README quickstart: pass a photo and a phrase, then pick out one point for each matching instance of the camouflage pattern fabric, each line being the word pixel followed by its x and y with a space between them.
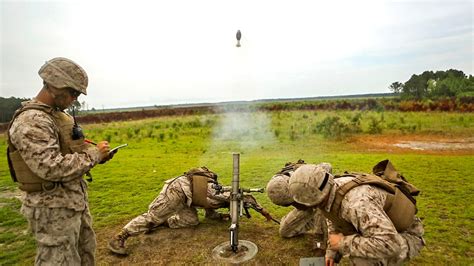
pixel 173 207
pixel 298 222
pixel 59 219
pixel 376 241
pixel 310 221
pixel 62 73
pixel 63 236
pixel 35 136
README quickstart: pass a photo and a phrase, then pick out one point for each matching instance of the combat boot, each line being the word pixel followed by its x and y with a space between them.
pixel 117 244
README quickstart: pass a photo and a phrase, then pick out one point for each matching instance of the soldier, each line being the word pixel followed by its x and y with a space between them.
pixel 175 206
pixel 48 158
pixel 371 223
pixel 301 220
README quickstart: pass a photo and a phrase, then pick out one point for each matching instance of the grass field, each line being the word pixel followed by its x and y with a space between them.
pixel 165 147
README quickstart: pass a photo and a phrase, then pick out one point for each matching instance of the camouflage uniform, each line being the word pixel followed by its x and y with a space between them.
pixel 376 241
pixel 60 219
pixel 173 206
pixel 298 222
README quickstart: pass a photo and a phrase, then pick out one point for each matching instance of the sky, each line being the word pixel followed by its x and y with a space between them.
pixel 142 53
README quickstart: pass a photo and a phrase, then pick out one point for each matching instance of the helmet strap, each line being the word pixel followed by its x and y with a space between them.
pixel 51 91
pixel 325 181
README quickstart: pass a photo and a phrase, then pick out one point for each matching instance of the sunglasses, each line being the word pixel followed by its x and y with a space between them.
pixel 74 93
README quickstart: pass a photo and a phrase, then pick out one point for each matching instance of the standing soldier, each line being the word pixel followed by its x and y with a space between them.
pixel 48 158
pixel 300 220
pixel 371 220
pixel 175 206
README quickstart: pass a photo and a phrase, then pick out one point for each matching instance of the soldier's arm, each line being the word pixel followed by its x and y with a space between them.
pixel 217 200
pixel 377 237
pixel 33 134
pixel 297 222
pixel 331 254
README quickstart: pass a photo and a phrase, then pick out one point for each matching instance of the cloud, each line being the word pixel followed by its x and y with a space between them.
pixel 154 52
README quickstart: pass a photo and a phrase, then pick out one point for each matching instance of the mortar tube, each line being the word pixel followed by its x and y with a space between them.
pixel 234 204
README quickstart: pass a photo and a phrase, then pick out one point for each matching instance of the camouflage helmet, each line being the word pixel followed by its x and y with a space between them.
pixel 202 171
pixel 61 73
pixel 326 166
pixel 277 190
pixel 310 184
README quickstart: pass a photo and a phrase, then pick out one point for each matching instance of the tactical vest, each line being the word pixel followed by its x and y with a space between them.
pixel 200 177
pixel 400 205
pixel 28 181
pixel 290 167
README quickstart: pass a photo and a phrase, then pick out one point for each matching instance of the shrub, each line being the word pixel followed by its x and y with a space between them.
pixel 333 127
pixel 375 126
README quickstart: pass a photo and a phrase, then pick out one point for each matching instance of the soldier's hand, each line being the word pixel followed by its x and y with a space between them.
pixel 335 240
pixel 104 149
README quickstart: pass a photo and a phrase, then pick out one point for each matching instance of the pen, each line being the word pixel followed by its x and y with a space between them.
pixel 90 142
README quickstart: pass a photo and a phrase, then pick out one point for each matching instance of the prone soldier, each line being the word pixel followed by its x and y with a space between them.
pixel 175 206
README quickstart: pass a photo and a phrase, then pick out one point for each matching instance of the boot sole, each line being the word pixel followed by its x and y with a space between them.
pixel 116 251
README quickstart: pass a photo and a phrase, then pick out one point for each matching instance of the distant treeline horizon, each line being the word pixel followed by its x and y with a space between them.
pixel 423 92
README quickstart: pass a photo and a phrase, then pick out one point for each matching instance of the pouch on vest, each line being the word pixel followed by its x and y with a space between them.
pixel 200 191
pixel 387 171
pixel 400 209
pixel 200 177
pixel 27 180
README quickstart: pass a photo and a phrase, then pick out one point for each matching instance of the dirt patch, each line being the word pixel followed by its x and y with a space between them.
pixel 194 245
pixel 426 144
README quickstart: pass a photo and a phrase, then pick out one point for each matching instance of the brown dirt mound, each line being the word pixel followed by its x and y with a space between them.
pixel 423 144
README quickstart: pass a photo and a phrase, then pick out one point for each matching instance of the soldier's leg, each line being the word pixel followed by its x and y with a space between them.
pixel 186 217
pixel 169 202
pixel 57 234
pixel 87 239
pixel 139 224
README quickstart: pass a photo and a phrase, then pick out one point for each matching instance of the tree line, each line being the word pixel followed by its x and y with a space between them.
pixel 451 83
pixel 434 85
pixel 8 106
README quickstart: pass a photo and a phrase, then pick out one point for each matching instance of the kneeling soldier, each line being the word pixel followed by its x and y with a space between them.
pixel 175 206
pixel 301 220
pixel 371 217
